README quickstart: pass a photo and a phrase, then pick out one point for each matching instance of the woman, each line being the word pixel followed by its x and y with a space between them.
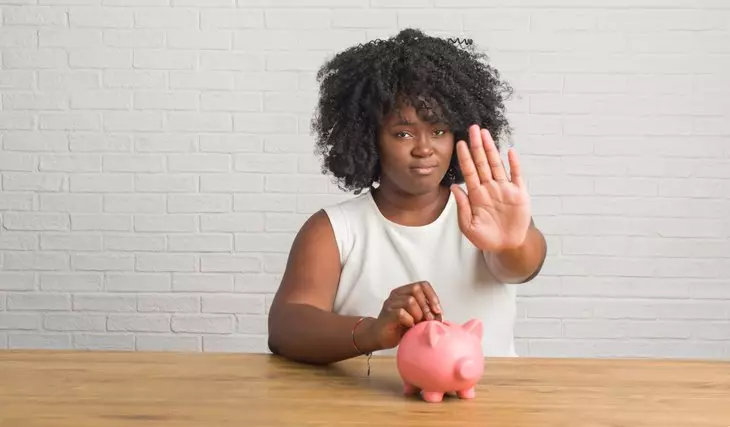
pixel 394 118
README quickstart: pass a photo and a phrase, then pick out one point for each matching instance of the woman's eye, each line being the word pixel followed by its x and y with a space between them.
pixel 402 134
pixel 440 132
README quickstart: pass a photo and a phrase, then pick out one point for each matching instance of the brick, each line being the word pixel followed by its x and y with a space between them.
pixel 137 38
pixel 138 323
pixel 231 143
pixel 133 163
pixel 253 324
pixel 34 16
pixel 36 222
pixel 101 58
pixel 282 183
pixel 205 323
pixel 257 283
pixel 71 203
pixel 158 59
pixel 201 243
pixel 104 303
pixel 70 242
pixel 230 263
pixel 70 163
pixel 235 344
pixel 137 282
pixel 104 342
pixel 199 40
pixel 312 203
pixel 199 203
pixel 168 343
pixel 39 341
pixel 232 222
pixel 39 182
pixel 231 19
pixel 271 163
pixel 268 242
pixel 21 241
pixel 532 328
pixel 134 243
pixel 15 281
pixel 167 262
pixel 20 321
pixel 202 282
pixel 265 123
pixel 16 202
pixel 35 142
pixel 231 183
pixel 165 143
pixel 71 282
pixel 235 304
pixel 67 80
pixel 18 38
pixel 134 203
pixel 102 183
pixel 101 100
pixel 268 80
pixel 84 222
pixel 278 222
pixel 99 143
pixel 231 101
pixel 174 223
pixel 98 262
pixel 138 79
pixel 166 18
pixel 168 303
pixel 265 203
pixel 167 183
pixel 200 122
pixel 199 163
pixel 35 101
pixel 39 301
pixel 74 322
pixel 20 120
pixel 166 100
pixel 143 121
pixel 274 263
pixel 100 17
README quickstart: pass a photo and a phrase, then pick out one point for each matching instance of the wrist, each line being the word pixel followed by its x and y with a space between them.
pixel 365 337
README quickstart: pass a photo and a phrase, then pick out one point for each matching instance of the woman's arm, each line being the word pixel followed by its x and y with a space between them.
pixel 302 326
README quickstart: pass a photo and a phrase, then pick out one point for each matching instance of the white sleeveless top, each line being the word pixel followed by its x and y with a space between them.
pixel 378 255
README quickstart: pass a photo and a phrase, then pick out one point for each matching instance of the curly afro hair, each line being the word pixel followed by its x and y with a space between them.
pixel 445 80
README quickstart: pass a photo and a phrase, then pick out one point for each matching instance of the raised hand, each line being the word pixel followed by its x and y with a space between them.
pixel 494 213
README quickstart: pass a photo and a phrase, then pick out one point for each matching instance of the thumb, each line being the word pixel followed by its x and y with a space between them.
pixel 463 206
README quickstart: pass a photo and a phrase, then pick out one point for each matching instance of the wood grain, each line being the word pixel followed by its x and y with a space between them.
pixel 106 389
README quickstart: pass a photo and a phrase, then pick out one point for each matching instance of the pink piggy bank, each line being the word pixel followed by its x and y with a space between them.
pixel 437 357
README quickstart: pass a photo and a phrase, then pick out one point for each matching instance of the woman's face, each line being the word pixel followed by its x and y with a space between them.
pixel 414 154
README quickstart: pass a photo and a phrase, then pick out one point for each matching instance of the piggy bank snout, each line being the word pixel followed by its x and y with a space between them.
pixel 468 369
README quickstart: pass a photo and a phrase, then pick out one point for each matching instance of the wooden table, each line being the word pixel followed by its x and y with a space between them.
pixel 75 389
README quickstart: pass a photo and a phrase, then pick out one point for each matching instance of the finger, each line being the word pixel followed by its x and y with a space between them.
pixel 468 170
pixel 433 299
pixel 413 307
pixel 405 318
pixel 495 161
pixel 478 155
pixel 515 168
pixel 463 206
pixel 422 302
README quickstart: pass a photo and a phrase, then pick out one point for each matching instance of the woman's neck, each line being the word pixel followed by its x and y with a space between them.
pixel 410 209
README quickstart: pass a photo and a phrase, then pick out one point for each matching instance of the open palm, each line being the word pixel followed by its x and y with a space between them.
pixel 494 212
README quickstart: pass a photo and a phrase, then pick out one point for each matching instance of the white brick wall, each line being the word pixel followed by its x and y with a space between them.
pixel 156 162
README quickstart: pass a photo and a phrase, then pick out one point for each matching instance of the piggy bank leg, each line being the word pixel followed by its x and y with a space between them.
pixel 469 393
pixel 409 389
pixel 433 396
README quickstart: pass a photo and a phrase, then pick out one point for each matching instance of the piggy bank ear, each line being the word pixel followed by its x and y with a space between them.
pixel 434 331
pixel 474 327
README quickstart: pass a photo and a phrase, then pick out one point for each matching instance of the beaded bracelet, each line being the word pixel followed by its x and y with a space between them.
pixel 354 344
